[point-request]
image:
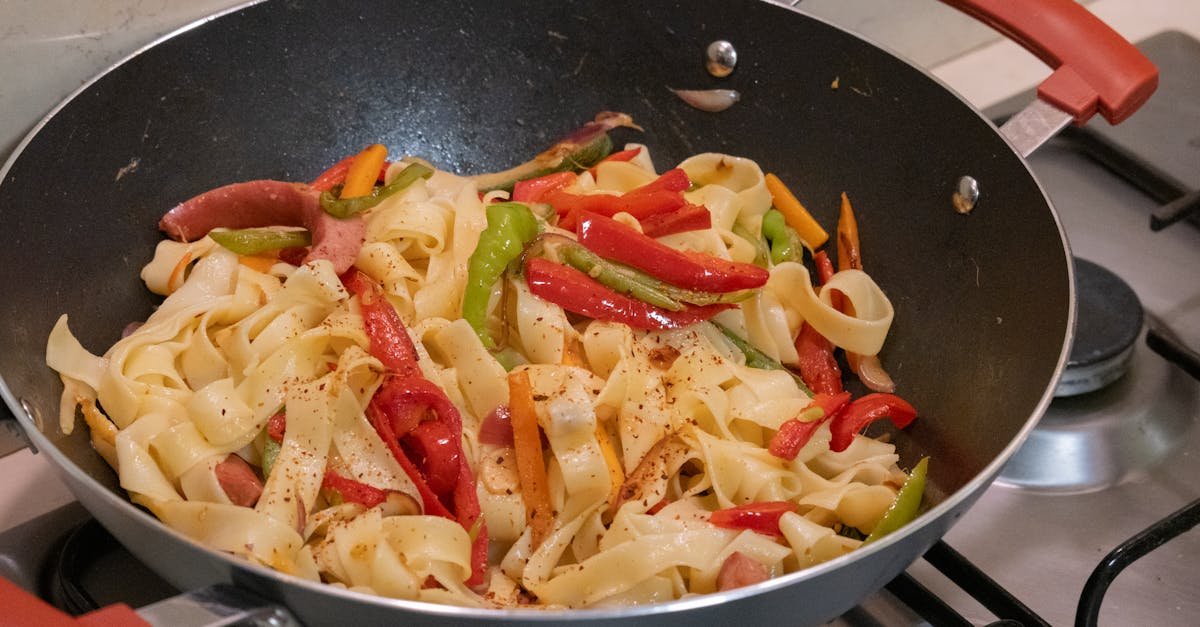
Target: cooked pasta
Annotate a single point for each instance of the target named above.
(647, 432)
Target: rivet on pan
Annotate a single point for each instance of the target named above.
(720, 58)
(966, 195)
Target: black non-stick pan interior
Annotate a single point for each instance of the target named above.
(283, 89)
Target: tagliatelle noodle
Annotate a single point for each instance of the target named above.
(687, 421)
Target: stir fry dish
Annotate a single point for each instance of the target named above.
(581, 382)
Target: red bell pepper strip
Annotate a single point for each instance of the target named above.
(570, 206)
(824, 273)
(390, 343)
(761, 517)
(532, 190)
(863, 411)
(817, 366)
(276, 425)
(578, 293)
(434, 447)
(689, 217)
(674, 180)
(794, 434)
(336, 174)
(620, 155)
(353, 491)
(399, 409)
(611, 239)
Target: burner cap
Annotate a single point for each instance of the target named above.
(1108, 322)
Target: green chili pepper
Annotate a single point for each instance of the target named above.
(756, 358)
(761, 252)
(344, 208)
(638, 284)
(785, 242)
(510, 227)
(254, 241)
(908, 501)
(269, 455)
(578, 157)
(624, 280)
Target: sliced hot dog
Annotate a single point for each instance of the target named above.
(739, 570)
(237, 478)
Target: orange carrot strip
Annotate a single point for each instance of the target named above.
(257, 262)
(849, 253)
(531, 466)
(364, 171)
(175, 281)
(795, 214)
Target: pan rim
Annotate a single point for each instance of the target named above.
(969, 490)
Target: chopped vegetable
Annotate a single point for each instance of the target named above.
(758, 359)
(578, 293)
(510, 227)
(436, 448)
(616, 473)
(270, 454)
(795, 433)
(531, 464)
(710, 100)
(613, 240)
(255, 241)
(363, 172)
(825, 273)
(689, 217)
(762, 251)
(632, 282)
(402, 404)
(761, 517)
(389, 340)
(849, 252)
(618, 278)
(620, 155)
(532, 190)
(785, 242)
(339, 207)
(578, 151)
(795, 214)
(906, 505)
(817, 365)
(353, 491)
(276, 425)
(861, 412)
(336, 174)
(663, 194)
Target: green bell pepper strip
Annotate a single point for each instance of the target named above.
(761, 251)
(632, 282)
(758, 359)
(904, 508)
(510, 227)
(619, 279)
(255, 241)
(344, 208)
(785, 242)
(269, 455)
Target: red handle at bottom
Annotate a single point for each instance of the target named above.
(23, 608)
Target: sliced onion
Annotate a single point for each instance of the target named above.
(870, 371)
(711, 100)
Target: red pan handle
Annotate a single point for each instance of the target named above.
(25, 609)
(1095, 68)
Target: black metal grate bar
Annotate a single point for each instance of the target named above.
(1128, 552)
(982, 588)
(925, 603)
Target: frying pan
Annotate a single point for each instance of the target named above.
(984, 302)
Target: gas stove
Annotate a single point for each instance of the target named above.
(1102, 466)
